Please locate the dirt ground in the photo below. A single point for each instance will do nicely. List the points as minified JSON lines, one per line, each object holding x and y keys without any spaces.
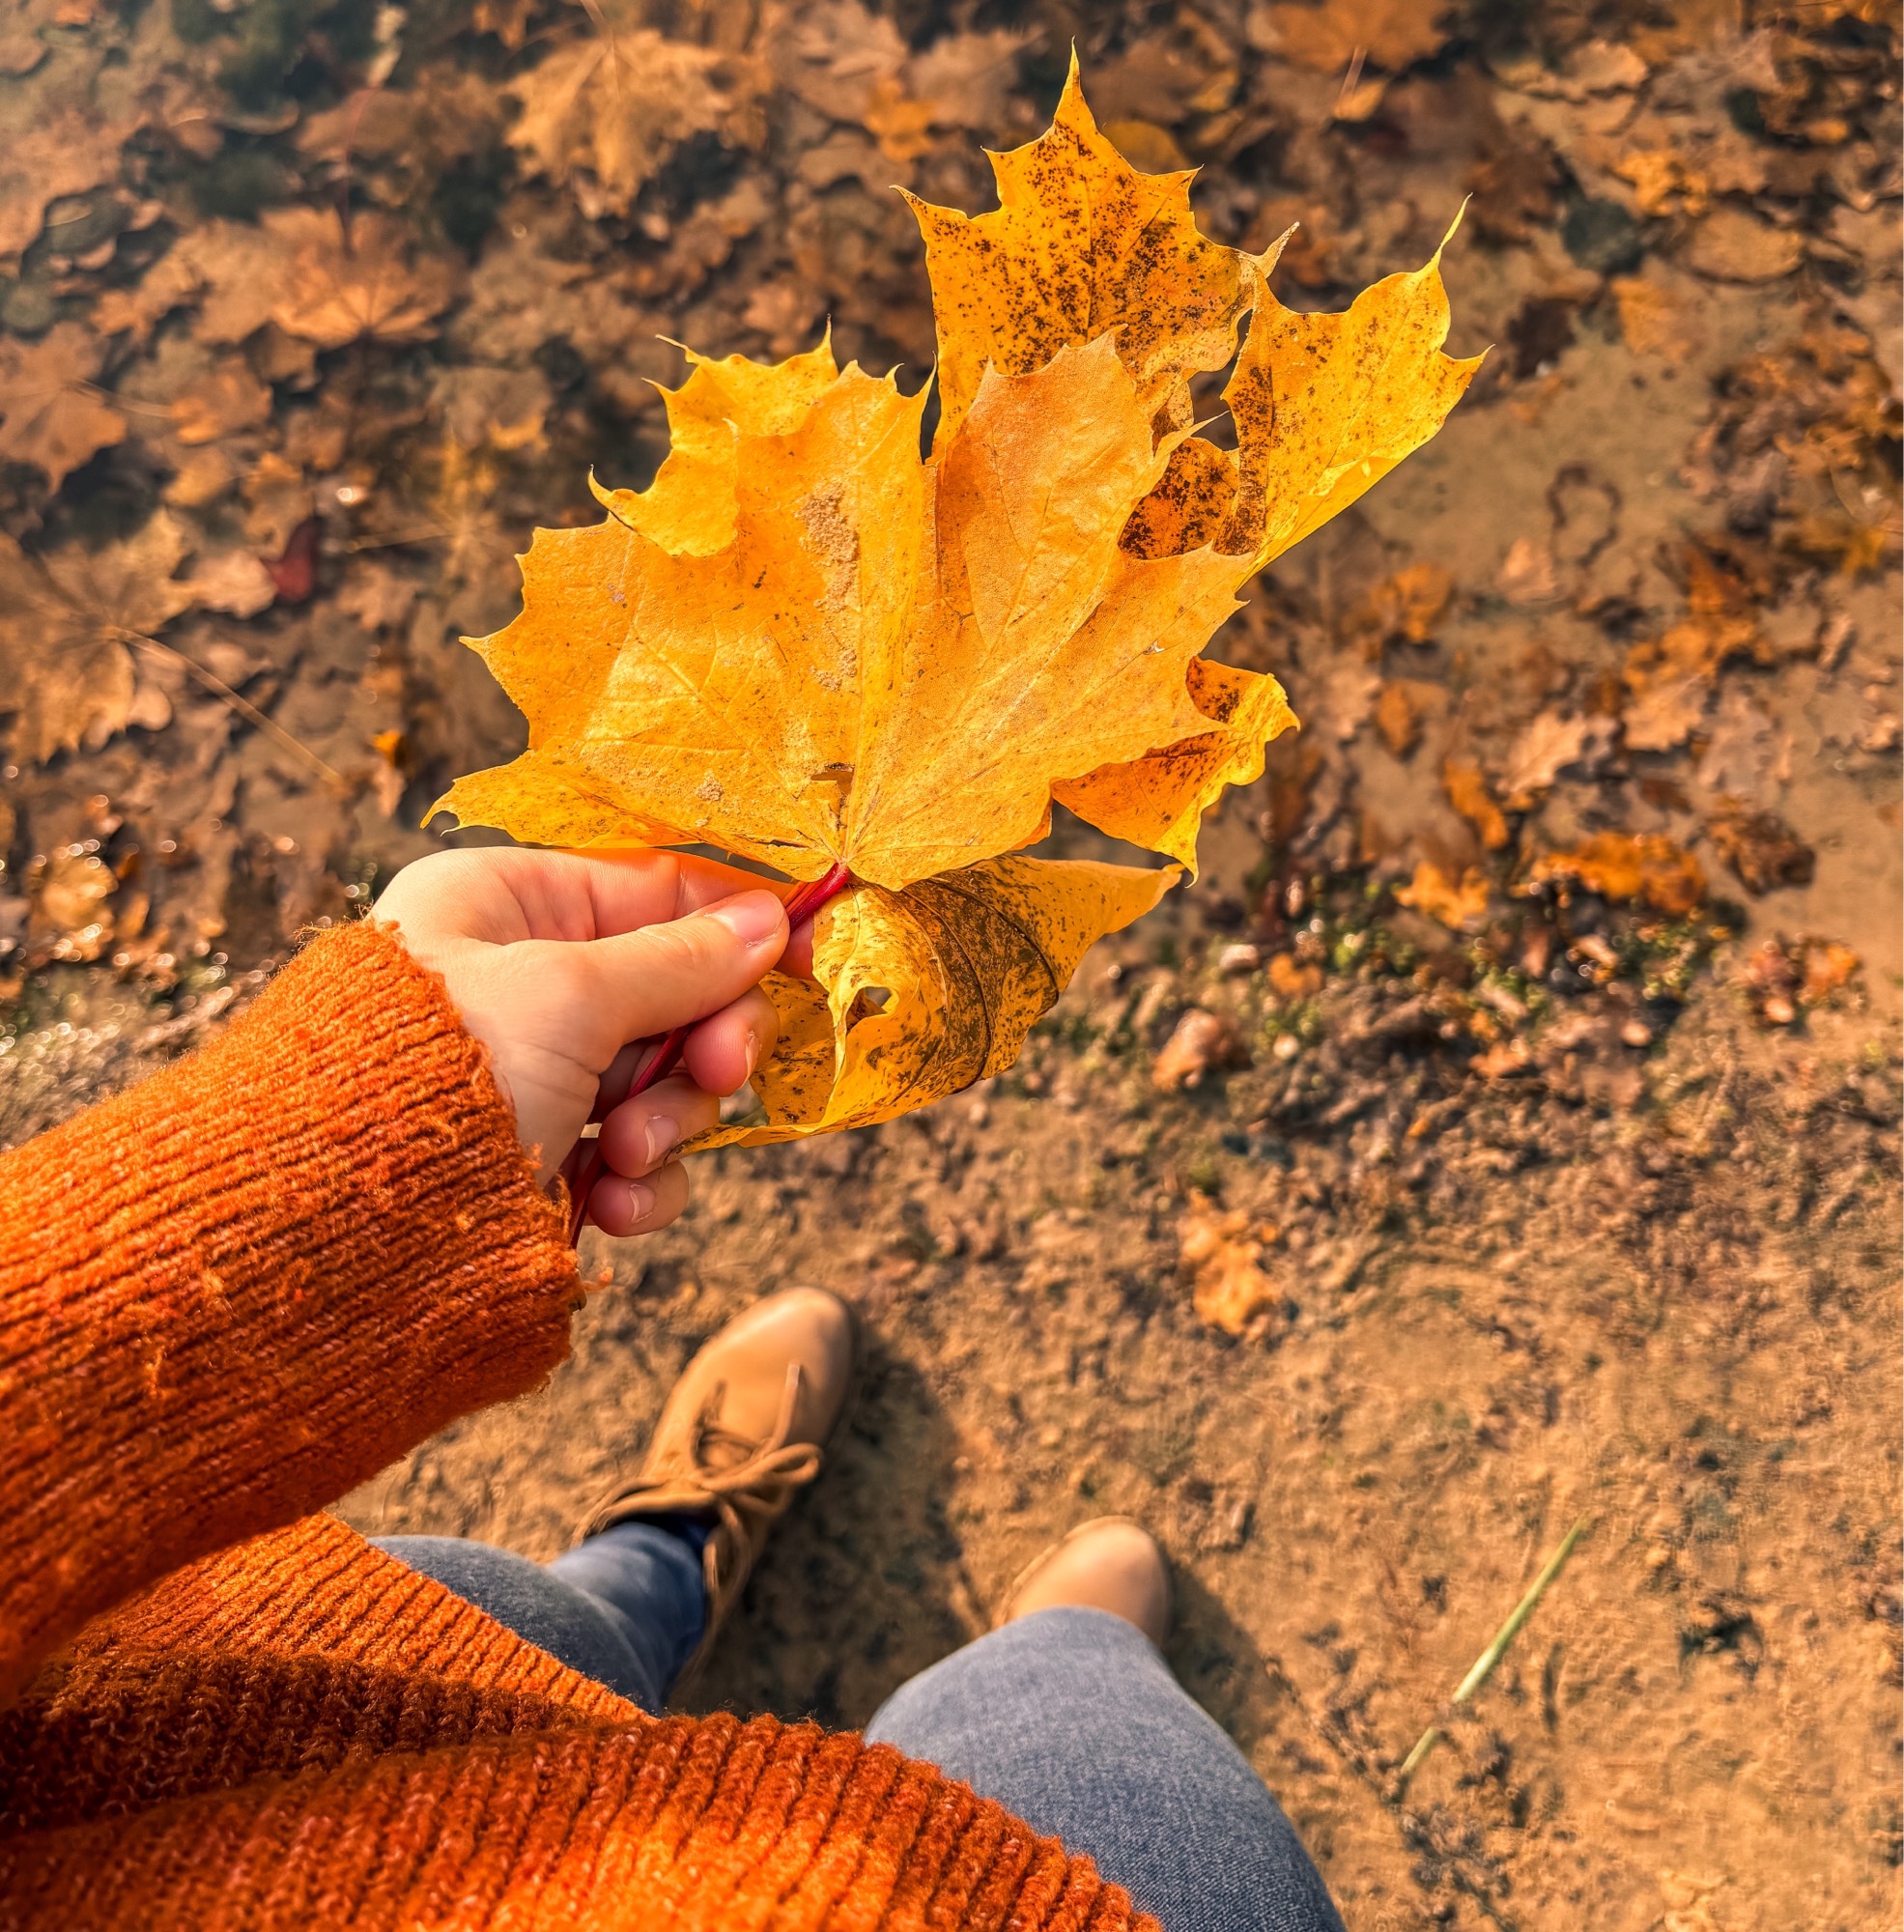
{"x":1502,"y":1133}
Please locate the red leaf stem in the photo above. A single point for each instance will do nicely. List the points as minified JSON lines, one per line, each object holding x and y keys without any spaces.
{"x":803,"y":902}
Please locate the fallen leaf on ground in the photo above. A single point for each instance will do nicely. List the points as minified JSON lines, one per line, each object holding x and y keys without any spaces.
{"x":1391,"y":33}
{"x":1404,"y":703}
{"x":616,"y":104}
{"x":1763,"y":850}
{"x":809,"y":646}
{"x":1664,"y":714}
{"x":1622,"y":865}
{"x":1651,"y":321}
{"x":234,"y":582}
{"x":1746,"y":755}
{"x":1505,"y":1056}
{"x":1529,"y":575}
{"x":1552,"y":744}
{"x":67,"y":892}
{"x":335,"y":288}
{"x":966,"y":78}
{"x":1200,"y":1043}
{"x":1461,"y":905}
{"x":1732,"y":245}
{"x":222,"y":400}
{"x":67,"y":625}
{"x":1468,"y":792}
{"x":50,"y":413}
{"x":1826,"y":966}
{"x":1408,"y":604}
{"x":1291,"y":980}
{"x":1222,"y":1253}
{"x":65,"y":153}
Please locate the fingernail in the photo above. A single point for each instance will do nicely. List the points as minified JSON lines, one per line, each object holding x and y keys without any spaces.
{"x":750,"y":916}
{"x":752,"y":1050}
{"x":640,"y":1201}
{"x":663,"y":1133}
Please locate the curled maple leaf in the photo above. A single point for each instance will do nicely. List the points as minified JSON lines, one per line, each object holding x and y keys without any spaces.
{"x":809,"y":646}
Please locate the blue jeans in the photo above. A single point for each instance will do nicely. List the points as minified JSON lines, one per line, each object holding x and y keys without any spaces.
{"x":1069,"y":1718}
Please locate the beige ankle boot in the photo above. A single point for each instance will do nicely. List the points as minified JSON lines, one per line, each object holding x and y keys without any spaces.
{"x":741,"y":1434}
{"x":1110,"y":1563}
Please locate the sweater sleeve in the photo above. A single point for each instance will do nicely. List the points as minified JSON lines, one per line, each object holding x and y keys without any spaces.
{"x":252,"y":1282}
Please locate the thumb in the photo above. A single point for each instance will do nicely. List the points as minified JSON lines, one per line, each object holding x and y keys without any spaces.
{"x":635,"y":985}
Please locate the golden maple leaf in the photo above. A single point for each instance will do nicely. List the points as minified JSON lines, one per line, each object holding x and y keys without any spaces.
{"x":67,"y":625}
{"x":809,"y":646}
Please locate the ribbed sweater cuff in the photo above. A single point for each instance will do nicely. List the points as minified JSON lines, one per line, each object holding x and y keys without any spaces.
{"x":235,"y":1292}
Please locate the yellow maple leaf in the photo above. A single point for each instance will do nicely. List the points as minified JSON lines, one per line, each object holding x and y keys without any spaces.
{"x":809,"y":646}
{"x":1082,"y":246}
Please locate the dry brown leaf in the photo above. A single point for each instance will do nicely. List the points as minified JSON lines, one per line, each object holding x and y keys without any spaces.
{"x":505,"y":408}
{"x":1826,"y":966}
{"x":1200,"y":1043}
{"x":1404,"y":703}
{"x":1408,"y":604}
{"x":1623,"y":865}
{"x":1664,"y":714}
{"x":67,"y":625}
{"x":1747,"y":756}
{"x":1664,"y":183}
{"x":1288,"y":980}
{"x":1651,"y":321}
{"x":50,"y":413}
{"x":1763,"y":850}
{"x":1222,"y":1252}
{"x":224,"y":400}
{"x":966,"y":79}
{"x":1552,"y":744}
{"x":507,"y":19}
{"x":1732,"y":245}
{"x":603,"y":112}
{"x":68,"y":154}
{"x":1529,"y":575}
{"x":833,"y":54}
{"x":22,"y":49}
{"x":1468,"y":792}
{"x":1327,"y":39}
{"x":233,"y":581}
{"x":332,"y":288}
{"x":1461,"y":905}
{"x":66,"y":894}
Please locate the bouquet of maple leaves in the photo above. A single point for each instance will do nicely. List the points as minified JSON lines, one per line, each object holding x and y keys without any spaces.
{"x":809,"y":646}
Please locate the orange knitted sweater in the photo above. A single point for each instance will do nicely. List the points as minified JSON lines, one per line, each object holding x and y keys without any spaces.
{"x":227,"y":1297}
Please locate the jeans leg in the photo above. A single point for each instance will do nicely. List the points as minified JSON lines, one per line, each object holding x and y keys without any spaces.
{"x":1071,"y":1719}
{"x":626,"y":1608}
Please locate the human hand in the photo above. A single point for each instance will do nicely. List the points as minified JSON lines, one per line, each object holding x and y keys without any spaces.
{"x":562,"y":963}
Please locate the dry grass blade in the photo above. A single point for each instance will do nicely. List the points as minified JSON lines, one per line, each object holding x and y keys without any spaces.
{"x":242,"y":706}
{"x":1484,"y":1664}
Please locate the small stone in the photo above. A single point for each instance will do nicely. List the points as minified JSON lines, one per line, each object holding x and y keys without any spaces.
{"x":1287,"y":1046}
{"x":1238,"y":958}
{"x":1637,"y":1032}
